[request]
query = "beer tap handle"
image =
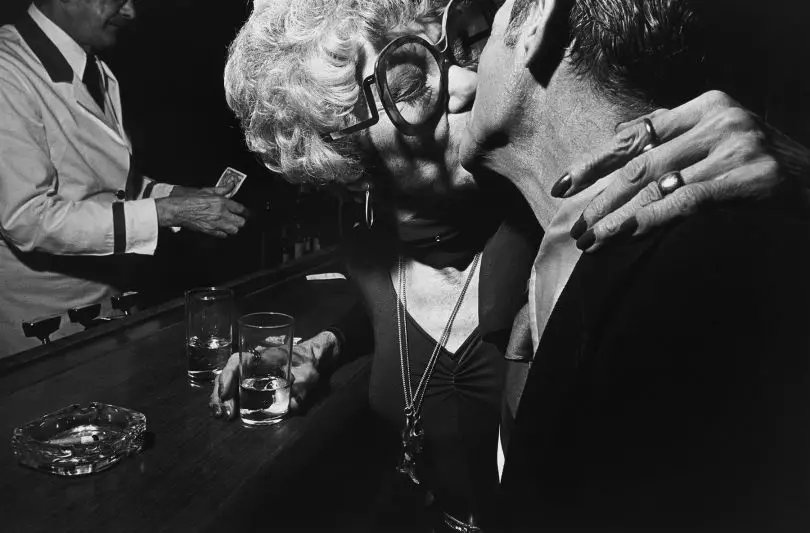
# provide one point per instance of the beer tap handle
(125, 302)
(41, 328)
(86, 316)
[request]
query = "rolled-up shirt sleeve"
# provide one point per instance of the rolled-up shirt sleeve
(34, 216)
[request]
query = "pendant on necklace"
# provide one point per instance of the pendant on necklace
(412, 439)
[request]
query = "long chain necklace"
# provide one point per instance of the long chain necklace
(412, 435)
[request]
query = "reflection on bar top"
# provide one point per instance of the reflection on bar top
(323, 277)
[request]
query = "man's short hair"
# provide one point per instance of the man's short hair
(639, 53)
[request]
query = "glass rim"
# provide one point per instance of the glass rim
(200, 290)
(241, 322)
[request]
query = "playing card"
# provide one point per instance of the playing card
(231, 176)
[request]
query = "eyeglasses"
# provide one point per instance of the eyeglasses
(410, 73)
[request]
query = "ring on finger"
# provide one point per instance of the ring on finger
(669, 183)
(653, 139)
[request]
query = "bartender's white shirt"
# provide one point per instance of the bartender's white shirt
(62, 160)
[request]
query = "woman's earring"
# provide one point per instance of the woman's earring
(369, 209)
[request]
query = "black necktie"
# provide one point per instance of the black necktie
(92, 80)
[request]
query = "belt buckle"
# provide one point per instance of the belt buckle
(457, 525)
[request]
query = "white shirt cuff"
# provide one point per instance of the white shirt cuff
(161, 190)
(142, 226)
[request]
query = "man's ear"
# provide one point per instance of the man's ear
(545, 37)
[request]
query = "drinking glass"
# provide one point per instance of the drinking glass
(209, 321)
(265, 355)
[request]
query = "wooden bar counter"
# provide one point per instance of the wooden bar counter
(196, 473)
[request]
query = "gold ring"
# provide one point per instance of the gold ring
(654, 140)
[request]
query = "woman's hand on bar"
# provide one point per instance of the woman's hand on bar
(722, 151)
(306, 358)
(226, 385)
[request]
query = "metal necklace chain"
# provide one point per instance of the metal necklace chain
(413, 402)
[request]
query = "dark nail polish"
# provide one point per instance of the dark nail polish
(561, 186)
(587, 240)
(578, 228)
(628, 227)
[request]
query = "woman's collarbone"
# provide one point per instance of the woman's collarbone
(431, 297)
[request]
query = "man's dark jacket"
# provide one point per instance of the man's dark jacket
(671, 388)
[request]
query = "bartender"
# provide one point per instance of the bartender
(70, 197)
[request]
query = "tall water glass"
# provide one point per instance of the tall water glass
(209, 326)
(265, 354)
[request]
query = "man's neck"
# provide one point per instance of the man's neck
(559, 130)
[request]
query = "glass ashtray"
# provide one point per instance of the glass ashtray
(79, 440)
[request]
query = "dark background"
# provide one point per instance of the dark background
(170, 68)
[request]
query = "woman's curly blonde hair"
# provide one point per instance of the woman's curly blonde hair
(291, 76)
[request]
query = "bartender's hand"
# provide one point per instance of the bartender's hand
(307, 357)
(178, 191)
(204, 210)
(721, 150)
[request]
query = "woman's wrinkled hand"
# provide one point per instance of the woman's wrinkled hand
(721, 150)
(306, 358)
(225, 394)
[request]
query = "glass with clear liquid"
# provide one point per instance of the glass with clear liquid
(209, 320)
(206, 357)
(265, 356)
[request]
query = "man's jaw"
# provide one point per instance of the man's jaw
(479, 152)
(497, 153)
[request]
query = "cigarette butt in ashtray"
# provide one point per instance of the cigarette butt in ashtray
(73, 441)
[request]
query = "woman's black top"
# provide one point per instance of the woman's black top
(461, 408)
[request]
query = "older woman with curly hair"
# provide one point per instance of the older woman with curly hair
(371, 97)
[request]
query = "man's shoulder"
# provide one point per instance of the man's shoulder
(15, 57)
(10, 39)
(761, 232)
(724, 280)
(21, 71)
(764, 231)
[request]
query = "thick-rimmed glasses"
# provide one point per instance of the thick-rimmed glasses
(410, 73)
